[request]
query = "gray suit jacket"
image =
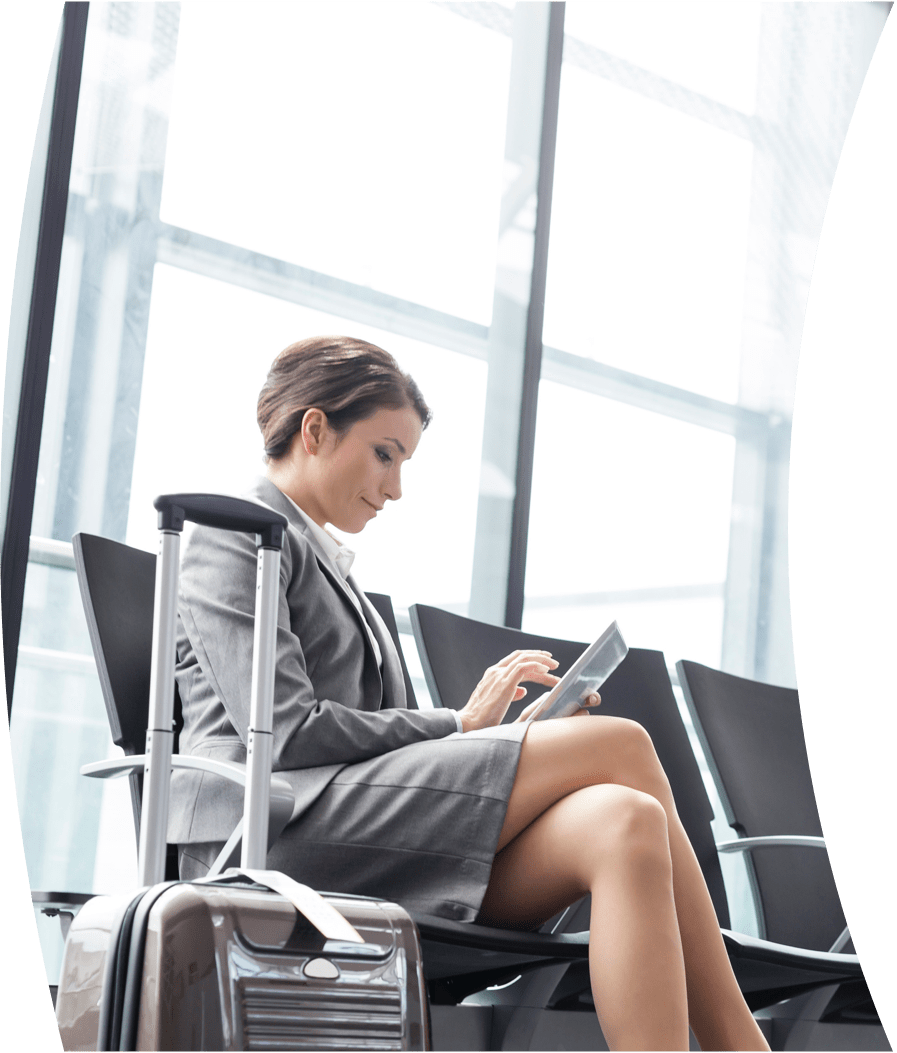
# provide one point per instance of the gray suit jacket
(331, 705)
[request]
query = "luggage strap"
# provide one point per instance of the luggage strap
(310, 904)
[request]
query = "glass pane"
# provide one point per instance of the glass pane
(697, 144)
(105, 279)
(208, 352)
(361, 140)
(696, 147)
(648, 238)
(78, 833)
(707, 47)
(629, 520)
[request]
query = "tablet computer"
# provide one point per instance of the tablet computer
(585, 676)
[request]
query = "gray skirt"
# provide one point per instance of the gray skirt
(418, 826)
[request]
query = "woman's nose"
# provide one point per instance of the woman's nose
(392, 488)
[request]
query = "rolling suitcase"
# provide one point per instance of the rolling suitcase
(249, 959)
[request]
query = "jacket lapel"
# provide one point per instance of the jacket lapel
(393, 678)
(370, 623)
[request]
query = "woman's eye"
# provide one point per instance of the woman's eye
(384, 455)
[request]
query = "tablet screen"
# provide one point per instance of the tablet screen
(585, 676)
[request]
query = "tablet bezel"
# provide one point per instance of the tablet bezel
(569, 679)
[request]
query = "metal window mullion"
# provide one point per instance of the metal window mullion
(532, 365)
(507, 334)
(39, 333)
(107, 341)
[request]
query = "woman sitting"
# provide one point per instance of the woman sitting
(447, 813)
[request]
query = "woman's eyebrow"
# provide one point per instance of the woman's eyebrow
(396, 441)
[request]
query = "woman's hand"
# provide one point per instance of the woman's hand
(593, 700)
(500, 687)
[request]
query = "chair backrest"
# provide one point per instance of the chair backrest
(455, 651)
(382, 604)
(117, 585)
(754, 742)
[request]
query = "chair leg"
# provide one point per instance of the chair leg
(531, 994)
(794, 1021)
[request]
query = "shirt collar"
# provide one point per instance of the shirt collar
(341, 555)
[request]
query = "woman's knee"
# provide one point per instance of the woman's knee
(635, 752)
(636, 821)
(620, 828)
(633, 738)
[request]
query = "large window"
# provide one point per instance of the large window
(248, 174)
(696, 148)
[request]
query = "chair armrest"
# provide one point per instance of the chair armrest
(60, 900)
(280, 805)
(117, 766)
(742, 844)
(62, 905)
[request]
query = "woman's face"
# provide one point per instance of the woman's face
(353, 475)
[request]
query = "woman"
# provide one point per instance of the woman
(448, 813)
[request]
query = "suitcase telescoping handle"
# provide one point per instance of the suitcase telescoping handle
(226, 513)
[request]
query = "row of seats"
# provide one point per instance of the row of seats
(752, 737)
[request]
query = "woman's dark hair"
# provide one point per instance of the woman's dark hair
(346, 378)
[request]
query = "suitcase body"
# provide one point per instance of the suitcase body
(226, 963)
(232, 967)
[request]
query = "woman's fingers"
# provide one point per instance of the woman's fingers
(531, 672)
(501, 685)
(539, 656)
(545, 679)
(527, 662)
(592, 700)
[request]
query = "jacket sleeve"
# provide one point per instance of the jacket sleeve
(216, 608)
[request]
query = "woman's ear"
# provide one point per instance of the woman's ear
(311, 433)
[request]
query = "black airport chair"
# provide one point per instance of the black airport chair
(752, 736)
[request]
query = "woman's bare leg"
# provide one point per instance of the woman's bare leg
(611, 841)
(562, 756)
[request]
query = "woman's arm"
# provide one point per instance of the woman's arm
(317, 638)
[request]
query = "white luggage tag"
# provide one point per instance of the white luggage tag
(310, 904)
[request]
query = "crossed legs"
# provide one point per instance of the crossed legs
(591, 811)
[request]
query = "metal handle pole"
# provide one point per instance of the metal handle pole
(261, 713)
(160, 735)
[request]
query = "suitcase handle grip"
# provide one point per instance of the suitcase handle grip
(223, 512)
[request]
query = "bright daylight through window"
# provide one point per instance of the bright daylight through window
(248, 174)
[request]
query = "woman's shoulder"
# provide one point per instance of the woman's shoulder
(208, 544)
(308, 574)
(266, 493)
(297, 539)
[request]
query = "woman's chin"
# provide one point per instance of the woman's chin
(354, 526)
(357, 520)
